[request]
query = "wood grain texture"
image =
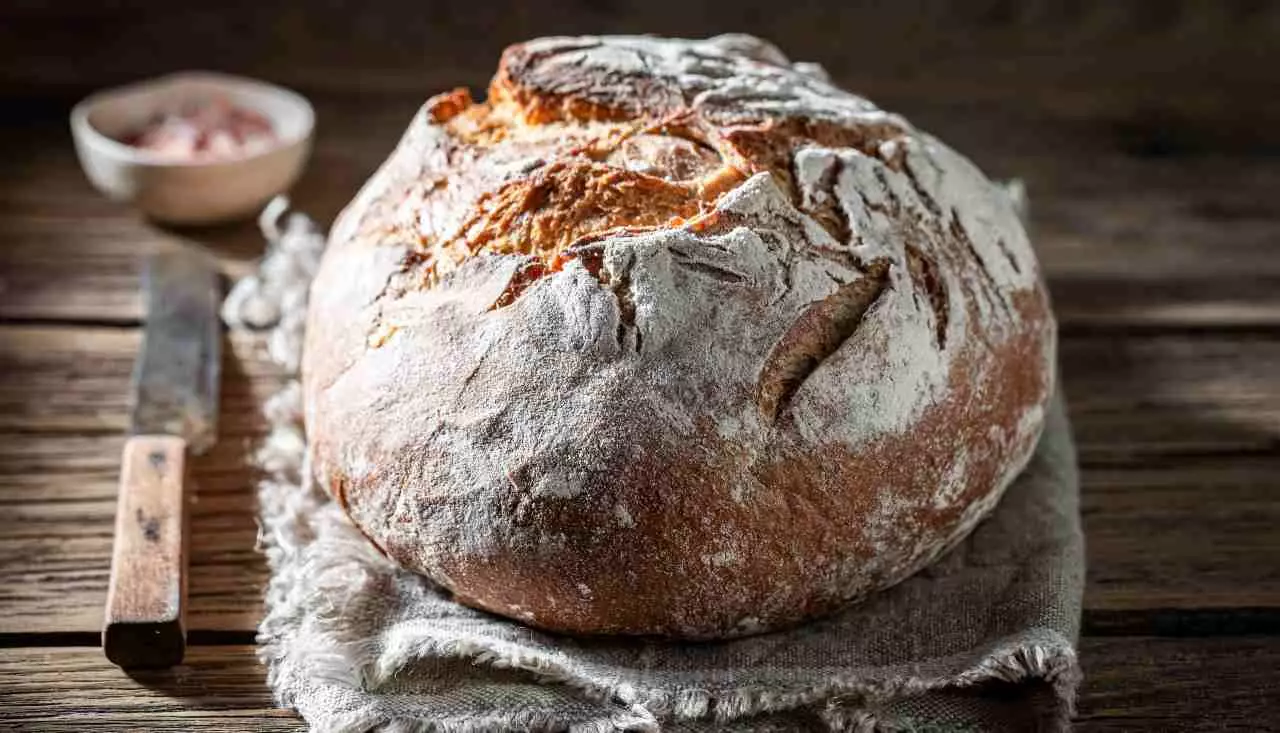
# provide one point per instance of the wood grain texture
(1144, 683)
(63, 409)
(144, 622)
(1178, 435)
(1190, 533)
(1150, 399)
(1131, 683)
(216, 688)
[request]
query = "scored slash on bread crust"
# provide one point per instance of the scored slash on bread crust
(639, 157)
(672, 337)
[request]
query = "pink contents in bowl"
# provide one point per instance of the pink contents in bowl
(207, 130)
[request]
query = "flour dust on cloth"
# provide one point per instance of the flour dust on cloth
(982, 640)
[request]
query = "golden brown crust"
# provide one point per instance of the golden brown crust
(676, 161)
(564, 202)
(666, 337)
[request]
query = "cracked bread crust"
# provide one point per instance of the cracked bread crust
(671, 338)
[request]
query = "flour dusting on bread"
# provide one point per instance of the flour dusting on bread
(672, 337)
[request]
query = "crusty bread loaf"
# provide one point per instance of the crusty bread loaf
(671, 337)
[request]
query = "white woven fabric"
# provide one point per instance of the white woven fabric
(981, 640)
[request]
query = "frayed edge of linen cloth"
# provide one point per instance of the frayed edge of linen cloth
(354, 643)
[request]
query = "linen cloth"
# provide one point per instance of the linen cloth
(981, 640)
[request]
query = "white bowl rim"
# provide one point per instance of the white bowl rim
(81, 126)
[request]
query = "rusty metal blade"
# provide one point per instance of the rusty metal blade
(175, 380)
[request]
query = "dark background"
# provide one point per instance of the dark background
(1152, 69)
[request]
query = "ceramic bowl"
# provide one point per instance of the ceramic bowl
(190, 192)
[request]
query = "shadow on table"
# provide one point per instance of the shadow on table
(219, 687)
(1179, 437)
(227, 574)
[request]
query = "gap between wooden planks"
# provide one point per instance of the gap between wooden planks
(1177, 435)
(1139, 683)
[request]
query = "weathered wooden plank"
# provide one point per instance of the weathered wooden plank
(75, 380)
(1143, 683)
(1125, 237)
(1131, 683)
(55, 550)
(1159, 398)
(56, 559)
(1179, 436)
(1183, 534)
(62, 417)
(76, 689)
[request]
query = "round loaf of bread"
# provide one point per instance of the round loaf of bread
(671, 337)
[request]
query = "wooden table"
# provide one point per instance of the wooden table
(1145, 132)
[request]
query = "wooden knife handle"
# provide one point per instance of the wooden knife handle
(145, 624)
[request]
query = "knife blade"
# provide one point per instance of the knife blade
(173, 414)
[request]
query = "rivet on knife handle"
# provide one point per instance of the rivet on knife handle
(145, 623)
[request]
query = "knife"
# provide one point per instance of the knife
(173, 414)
